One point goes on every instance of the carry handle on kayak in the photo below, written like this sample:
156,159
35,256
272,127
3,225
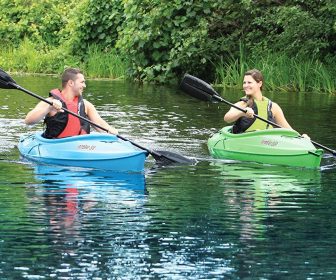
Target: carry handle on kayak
163,157
203,91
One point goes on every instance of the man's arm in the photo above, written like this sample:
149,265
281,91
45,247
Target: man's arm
94,116
41,110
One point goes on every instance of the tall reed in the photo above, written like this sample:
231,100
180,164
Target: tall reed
100,64
282,73
29,58
25,57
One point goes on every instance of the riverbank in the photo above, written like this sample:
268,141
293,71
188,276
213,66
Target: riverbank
27,58
281,72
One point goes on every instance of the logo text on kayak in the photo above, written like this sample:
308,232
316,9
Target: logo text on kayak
269,142
86,147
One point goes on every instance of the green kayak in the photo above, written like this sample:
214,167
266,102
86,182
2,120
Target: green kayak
272,146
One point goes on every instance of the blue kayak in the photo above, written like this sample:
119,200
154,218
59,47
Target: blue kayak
96,150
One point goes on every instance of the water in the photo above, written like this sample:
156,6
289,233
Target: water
213,220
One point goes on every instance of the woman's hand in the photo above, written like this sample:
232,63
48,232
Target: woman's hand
249,112
305,136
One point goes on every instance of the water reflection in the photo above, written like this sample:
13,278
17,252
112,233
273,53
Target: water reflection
219,212
261,192
83,178
85,221
214,219
70,193
8,137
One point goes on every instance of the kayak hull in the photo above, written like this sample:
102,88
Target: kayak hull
98,151
272,146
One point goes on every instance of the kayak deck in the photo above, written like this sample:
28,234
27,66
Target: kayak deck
100,151
278,146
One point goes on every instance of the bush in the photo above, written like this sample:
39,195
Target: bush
99,23
163,41
160,41
40,21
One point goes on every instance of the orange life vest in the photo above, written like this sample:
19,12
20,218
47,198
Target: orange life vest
63,124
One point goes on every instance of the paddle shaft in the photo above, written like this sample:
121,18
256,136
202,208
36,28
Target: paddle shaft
162,157
269,122
244,110
202,90
82,118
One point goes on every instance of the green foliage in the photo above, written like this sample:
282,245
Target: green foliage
165,40
28,58
160,41
300,28
97,23
40,21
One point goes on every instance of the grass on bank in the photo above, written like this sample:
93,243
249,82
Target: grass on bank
27,58
281,73
104,64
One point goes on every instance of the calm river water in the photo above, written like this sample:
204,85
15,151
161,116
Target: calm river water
212,220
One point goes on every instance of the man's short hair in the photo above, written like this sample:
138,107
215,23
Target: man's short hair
70,74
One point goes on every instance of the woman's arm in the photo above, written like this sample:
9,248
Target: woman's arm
234,114
279,116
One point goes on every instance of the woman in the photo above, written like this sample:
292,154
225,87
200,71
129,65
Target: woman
254,103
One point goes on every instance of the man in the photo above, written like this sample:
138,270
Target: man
60,124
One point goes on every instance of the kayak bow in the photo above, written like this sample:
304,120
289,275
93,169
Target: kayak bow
278,146
95,150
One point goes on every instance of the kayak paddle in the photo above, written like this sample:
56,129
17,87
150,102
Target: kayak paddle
163,157
203,91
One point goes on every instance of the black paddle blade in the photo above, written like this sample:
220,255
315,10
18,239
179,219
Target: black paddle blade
6,81
168,158
198,88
